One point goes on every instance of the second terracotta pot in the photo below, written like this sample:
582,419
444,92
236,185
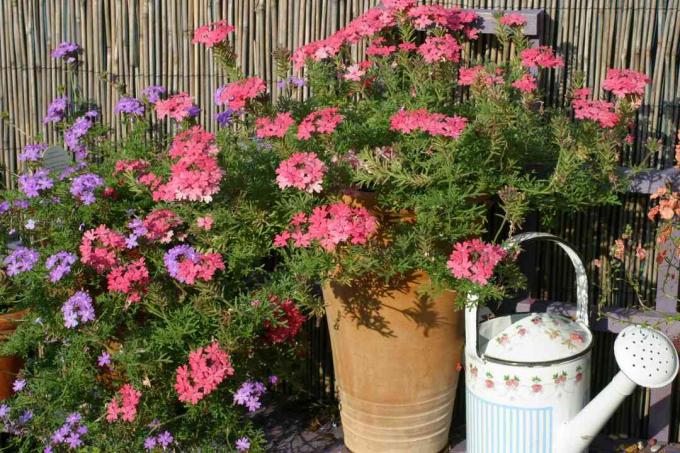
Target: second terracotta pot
9,366
395,353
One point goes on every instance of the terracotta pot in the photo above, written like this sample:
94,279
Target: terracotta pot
9,366
395,354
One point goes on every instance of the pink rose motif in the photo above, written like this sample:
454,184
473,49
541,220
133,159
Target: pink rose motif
473,371
576,337
503,339
536,388
560,378
578,377
522,331
511,383
489,383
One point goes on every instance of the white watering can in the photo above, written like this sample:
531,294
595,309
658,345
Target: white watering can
528,375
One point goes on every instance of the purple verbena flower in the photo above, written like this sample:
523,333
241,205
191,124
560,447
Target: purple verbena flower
4,411
130,106
177,254
4,207
73,417
153,93
31,184
69,434
273,379
60,264
22,259
224,118
25,417
150,443
56,111
32,153
104,360
78,308
249,394
243,444
194,111
79,128
298,82
68,51
30,224
165,439
83,186
18,385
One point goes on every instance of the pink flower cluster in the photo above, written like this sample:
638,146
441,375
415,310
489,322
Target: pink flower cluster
130,279
302,171
454,19
323,121
177,107
236,94
289,320
469,76
600,111
541,56
266,127
196,175
186,265
407,121
377,48
623,82
125,405
159,225
131,165
475,261
330,226
213,33
208,367
98,248
439,49
513,20
525,84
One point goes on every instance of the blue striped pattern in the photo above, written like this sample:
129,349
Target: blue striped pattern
496,428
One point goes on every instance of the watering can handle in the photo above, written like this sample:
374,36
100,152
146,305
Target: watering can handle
471,315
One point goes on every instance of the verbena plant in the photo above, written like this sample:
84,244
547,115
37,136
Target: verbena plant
162,274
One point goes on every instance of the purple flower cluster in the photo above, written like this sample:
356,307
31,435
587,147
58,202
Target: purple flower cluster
74,134
56,111
163,440
83,186
78,308
21,204
69,433
138,229
31,184
59,265
4,207
242,444
296,81
224,118
11,426
173,258
22,259
153,93
68,51
130,106
249,394
33,152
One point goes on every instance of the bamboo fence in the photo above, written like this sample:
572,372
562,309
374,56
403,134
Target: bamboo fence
131,44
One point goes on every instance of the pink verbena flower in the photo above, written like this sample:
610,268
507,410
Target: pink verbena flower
377,48
623,82
407,121
599,111
236,94
159,225
124,404
213,33
302,171
475,261
266,127
207,368
177,107
131,165
194,141
513,20
399,5
525,84
468,76
205,222
542,57
322,121
289,320
131,279
98,248
354,73
439,49
330,226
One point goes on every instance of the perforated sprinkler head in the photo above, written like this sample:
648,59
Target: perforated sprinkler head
646,356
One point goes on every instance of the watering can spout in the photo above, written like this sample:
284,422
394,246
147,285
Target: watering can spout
647,358
575,435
